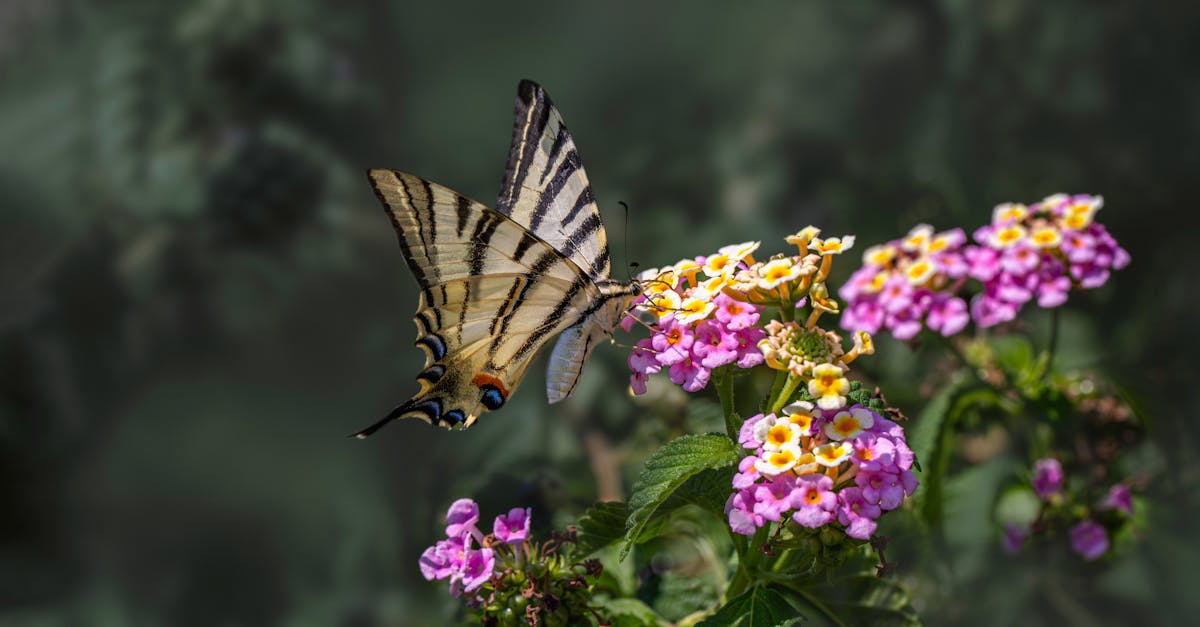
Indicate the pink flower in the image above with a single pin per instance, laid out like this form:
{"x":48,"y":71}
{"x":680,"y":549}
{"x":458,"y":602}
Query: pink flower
{"x":813,"y":500}
{"x":1020,"y":260}
{"x":896,"y":295}
{"x":512,"y":528}
{"x":643,"y":363}
{"x":905,"y":323}
{"x":477,"y":568}
{"x":864,"y":315}
{"x":1119,"y":498}
{"x":1079,"y":247}
{"x":735,"y":315}
{"x":444,"y":558}
{"x":740,"y":510}
{"x":1053,"y":291}
{"x":775,"y":497}
{"x":748,"y":355}
{"x":746,"y":433}
{"x":1047,"y":477}
{"x":947,"y":315}
{"x":984,"y":262}
{"x":747,"y":474}
{"x":673,"y":342}
{"x":988,"y":310}
{"x":461,"y":518}
{"x":886,"y":489}
{"x":857,"y":514}
{"x":689,"y":375}
{"x":714,"y":345}
{"x":874,"y":453}
{"x":1089,"y":540}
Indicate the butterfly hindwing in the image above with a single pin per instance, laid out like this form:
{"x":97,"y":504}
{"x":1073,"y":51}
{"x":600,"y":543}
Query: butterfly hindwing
{"x":545,"y":187}
{"x":492,"y":293}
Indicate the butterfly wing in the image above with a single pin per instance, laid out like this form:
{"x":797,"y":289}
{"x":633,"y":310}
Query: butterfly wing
{"x":492,"y":293}
{"x":545,"y":188}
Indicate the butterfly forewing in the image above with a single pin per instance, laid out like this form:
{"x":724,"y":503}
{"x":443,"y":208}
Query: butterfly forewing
{"x":545,"y":187}
{"x":491,"y":295}
{"x":497,"y":284}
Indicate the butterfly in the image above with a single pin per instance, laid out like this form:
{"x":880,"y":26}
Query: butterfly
{"x":497,"y":284}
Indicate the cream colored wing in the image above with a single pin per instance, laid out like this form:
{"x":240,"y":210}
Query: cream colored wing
{"x":492,"y":293}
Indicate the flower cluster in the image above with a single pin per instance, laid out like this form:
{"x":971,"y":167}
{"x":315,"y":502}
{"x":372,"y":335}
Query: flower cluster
{"x":695,"y":326}
{"x":1088,"y":531}
{"x":909,"y":283}
{"x":703,"y":313}
{"x":457,"y":558}
{"x":505,"y":577}
{"x":1040,"y":251}
{"x":1037,"y":252}
{"x":816,"y":466}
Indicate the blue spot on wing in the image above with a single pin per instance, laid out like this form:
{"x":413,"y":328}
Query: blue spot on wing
{"x":492,"y":398}
{"x":435,"y":344}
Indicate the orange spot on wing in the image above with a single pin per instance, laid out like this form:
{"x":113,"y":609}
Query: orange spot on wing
{"x":482,"y":379}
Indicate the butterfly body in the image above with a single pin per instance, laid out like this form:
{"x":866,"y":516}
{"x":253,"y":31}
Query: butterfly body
{"x":497,"y":284}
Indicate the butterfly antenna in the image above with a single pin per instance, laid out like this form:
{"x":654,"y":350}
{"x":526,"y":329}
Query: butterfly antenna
{"x":629,"y":267}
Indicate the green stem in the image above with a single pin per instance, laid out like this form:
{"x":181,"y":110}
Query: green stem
{"x":818,"y":605}
{"x":1052,"y":343}
{"x":789,"y":386}
{"x":724,"y":385}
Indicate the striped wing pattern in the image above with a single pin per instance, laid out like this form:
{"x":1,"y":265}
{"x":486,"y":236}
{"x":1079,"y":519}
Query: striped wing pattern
{"x":545,"y":187}
{"x":492,"y":293}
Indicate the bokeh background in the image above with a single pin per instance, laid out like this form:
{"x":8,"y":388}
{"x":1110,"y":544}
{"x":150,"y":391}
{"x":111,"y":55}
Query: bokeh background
{"x":200,"y":296}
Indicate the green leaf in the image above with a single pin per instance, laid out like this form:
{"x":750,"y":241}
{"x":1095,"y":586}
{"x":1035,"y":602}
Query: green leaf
{"x":668,"y":469}
{"x":933,"y":439}
{"x":624,"y":612}
{"x":863,"y":599}
{"x":707,"y":489}
{"x":601,"y":525}
{"x":760,"y":606}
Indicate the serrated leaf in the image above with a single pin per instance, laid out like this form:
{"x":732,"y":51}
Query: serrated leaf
{"x":599,"y":526}
{"x":667,"y":469}
{"x":707,"y":489}
{"x":865,"y":599}
{"x":760,"y":606}
{"x":625,"y":612}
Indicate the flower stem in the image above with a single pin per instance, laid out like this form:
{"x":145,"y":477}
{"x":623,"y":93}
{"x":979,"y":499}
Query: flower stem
{"x":1052,"y":343}
{"x":789,"y":386}
{"x":724,"y":387}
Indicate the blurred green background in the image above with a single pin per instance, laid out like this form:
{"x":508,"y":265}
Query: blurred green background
{"x":200,"y":296}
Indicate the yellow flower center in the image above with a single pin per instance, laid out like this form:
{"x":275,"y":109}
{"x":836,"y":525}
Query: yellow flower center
{"x":1009,"y":236}
{"x":776,"y":273}
{"x":1078,"y":221}
{"x":812,"y":497}
{"x":779,"y":435}
{"x":802,"y":420}
{"x":780,"y":458}
{"x":673,"y":336}
{"x":846,"y":426}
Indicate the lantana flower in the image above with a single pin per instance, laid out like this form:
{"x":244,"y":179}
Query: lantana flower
{"x":909,"y":283}
{"x":849,"y":481}
{"x":1040,"y":253}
